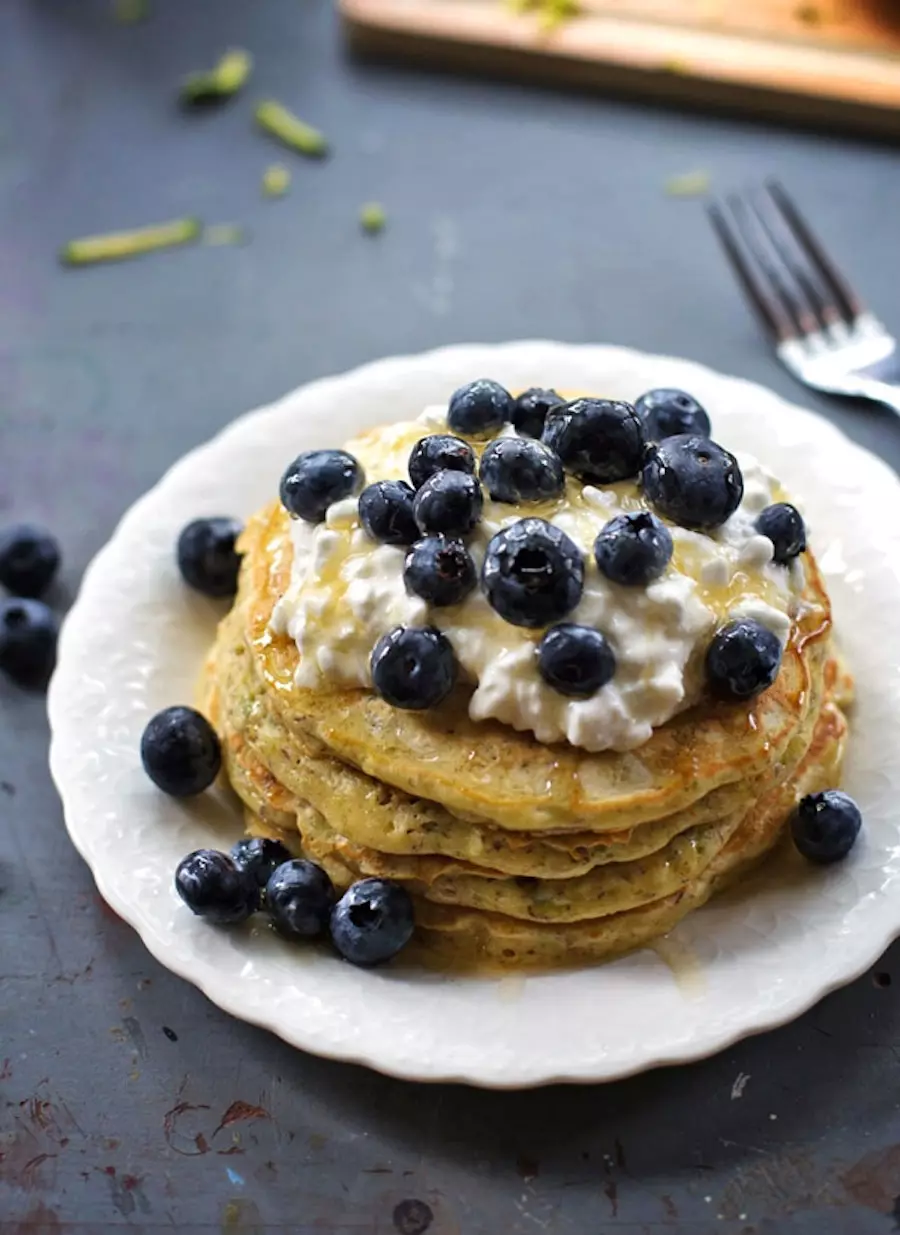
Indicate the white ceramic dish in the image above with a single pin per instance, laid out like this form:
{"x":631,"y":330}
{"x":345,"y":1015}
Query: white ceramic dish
{"x":134,"y":641}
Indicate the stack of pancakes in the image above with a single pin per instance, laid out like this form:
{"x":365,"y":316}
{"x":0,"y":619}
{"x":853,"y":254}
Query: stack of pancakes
{"x":516,"y":854}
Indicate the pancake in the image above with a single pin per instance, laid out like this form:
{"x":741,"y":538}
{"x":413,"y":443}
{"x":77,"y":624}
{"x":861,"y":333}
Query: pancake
{"x":487,"y":771}
{"x":372,"y":814}
{"x":467,"y":938}
{"x":608,"y":889}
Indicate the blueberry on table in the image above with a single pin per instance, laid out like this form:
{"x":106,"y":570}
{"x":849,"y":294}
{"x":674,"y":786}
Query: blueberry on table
{"x":299,"y":898}
{"x":413,"y":667}
{"x":519,"y":469}
{"x":575,"y":660}
{"x":372,"y":921}
{"x":742,"y":660}
{"x":449,"y":503}
{"x":533,"y":574}
{"x":530,"y":409}
{"x":479,"y":409}
{"x":825,"y":826}
{"x":440,"y":452}
{"x":29,"y":630}
{"x":599,"y":440}
{"x":29,"y":559}
{"x":180,"y":752}
{"x":693,"y":481}
{"x":386,"y":512}
{"x":440,"y":570}
{"x":315,"y":480}
{"x":783,"y":524}
{"x":668,"y":413}
{"x":215,"y":889}
{"x":633,"y":549}
{"x":259,"y":856}
{"x":207,"y":557}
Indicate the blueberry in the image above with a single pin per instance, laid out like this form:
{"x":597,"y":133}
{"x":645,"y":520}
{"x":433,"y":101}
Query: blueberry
{"x":668,"y":413}
{"x":215,"y":889}
{"x":742,"y":660}
{"x":533,"y":574}
{"x":259,"y":856}
{"x":783,"y":525}
{"x":206,"y":555}
{"x":28,"y":633}
{"x":448,"y":503}
{"x":440,"y":570}
{"x":693,"y":481}
{"x":372,"y":921}
{"x":29,"y":558}
{"x":180,"y":752}
{"x":300,"y":897}
{"x":530,"y":410}
{"x":413,"y":667}
{"x":633,"y":549}
{"x":386,"y":512}
{"x":441,"y":452}
{"x":575,"y":660}
{"x":316,"y":479}
{"x":599,"y":440}
{"x":518,"y":469}
{"x":480,"y":408}
{"x":825,"y":826}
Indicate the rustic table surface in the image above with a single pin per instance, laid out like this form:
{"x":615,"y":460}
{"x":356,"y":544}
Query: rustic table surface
{"x":128,"y":1102}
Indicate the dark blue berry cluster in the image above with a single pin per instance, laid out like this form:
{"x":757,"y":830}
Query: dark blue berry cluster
{"x":368,"y":925}
{"x":29,"y":561}
{"x":532,"y":573}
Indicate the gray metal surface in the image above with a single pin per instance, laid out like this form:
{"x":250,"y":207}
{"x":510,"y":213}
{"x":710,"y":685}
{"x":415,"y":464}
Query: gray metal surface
{"x":127,"y":1102}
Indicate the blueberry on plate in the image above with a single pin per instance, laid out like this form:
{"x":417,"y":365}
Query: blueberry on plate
{"x":259,"y":856}
{"x":530,"y":409}
{"x":207,"y":557}
{"x":480,"y":408}
{"x":519,"y":469}
{"x":575,"y":660}
{"x":533,"y":574}
{"x":633,"y":549}
{"x":299,"y":897}
{"x":742,"y":660}
{"x":386,"y":512}
{"x":440,"y":570}
{"x":180,"y":752}
{"x":413,"y":667}
{"x":825,"y":826}
{"x":783,"y":524}
{"x":215,"y":889}
{"x":668,"y":413}
{"x":599,"y":440}
{"x":449,"y":503}
{"x":29,"y":559}
{"x":28,"y":633}
{"x":440,"y":452}
{"x":372,"y":921}
{"x":693,"y":481}
{"x":315,"y":480}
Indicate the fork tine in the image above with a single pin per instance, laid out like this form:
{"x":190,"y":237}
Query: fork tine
{"x":806,"y":275}
{"x":767,"y":305}
{"x":850,"y":304}
{"x":760,"y":247}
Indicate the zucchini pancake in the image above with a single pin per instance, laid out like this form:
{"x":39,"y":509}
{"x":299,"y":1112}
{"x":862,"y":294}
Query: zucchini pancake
{"x":562,"y":668}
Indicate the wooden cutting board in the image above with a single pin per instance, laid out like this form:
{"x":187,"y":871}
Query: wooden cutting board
{"x":828,"y":61}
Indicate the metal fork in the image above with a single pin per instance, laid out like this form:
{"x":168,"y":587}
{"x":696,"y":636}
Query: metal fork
{"x":821,"y":330}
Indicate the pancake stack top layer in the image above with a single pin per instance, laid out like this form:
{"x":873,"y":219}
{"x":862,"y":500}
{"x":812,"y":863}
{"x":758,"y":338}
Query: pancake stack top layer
{"x":531,"y":826}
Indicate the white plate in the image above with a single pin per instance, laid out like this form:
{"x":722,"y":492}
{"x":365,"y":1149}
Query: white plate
{"x":134,"y":641}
